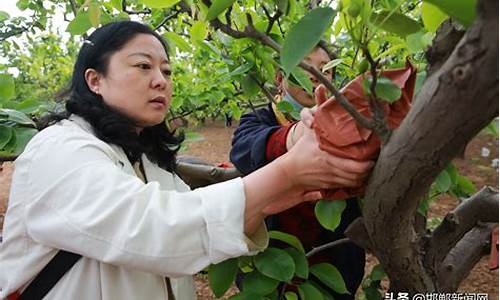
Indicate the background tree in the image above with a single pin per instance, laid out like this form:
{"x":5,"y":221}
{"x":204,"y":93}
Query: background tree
{"x":224,"y":60}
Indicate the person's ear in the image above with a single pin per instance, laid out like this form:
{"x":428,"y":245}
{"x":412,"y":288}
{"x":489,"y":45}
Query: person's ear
{"x":93,"y":79}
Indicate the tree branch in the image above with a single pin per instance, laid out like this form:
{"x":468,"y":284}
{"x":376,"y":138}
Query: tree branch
{"x":251,"y":32}
{"x":463,"y":257}
{"x":356,"y":232}
{"x":329,"y":245}
{"x":447,"y":37}
{"x":130,"y":12}
{"x":481,"y":207}
{"x":198,"y":174}
{"x":380,"y":125}
{"x":454,"y":104}
{"x":165,"y":20}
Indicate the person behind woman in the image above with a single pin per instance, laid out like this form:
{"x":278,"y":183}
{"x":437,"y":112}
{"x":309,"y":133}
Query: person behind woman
{"x":101,"y":183}
{"x":268,"y":134}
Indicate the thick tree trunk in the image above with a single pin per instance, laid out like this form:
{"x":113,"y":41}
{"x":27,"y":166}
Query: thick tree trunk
{"x":455,"y":103}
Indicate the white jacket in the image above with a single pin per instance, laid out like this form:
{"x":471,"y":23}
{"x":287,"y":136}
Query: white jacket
{"x":74,"y":192}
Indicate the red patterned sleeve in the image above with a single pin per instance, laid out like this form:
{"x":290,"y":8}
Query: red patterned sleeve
{"x":276,"y":144}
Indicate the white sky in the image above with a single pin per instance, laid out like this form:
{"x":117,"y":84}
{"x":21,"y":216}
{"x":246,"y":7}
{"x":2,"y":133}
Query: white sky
{"x":9,"y":6}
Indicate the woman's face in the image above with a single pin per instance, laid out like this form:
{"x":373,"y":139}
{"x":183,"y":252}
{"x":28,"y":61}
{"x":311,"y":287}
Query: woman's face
{"x":317,"y":58}
{"x":137,"y":82}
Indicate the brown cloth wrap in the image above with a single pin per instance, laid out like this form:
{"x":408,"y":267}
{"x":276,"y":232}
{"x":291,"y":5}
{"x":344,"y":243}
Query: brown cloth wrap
{"x":339,"y":134}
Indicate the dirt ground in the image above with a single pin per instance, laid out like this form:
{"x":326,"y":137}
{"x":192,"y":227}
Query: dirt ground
{"x":215,"y":145}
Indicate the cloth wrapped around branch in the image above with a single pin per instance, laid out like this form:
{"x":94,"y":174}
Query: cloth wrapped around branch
{"x":339,"y":134}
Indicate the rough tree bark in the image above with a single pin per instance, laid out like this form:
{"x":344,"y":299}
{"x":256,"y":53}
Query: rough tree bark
{"x":455,"y":103}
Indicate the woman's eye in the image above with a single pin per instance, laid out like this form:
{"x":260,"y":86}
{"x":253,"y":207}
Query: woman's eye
{"x":144,"y":66}
{"x":167,"y":72}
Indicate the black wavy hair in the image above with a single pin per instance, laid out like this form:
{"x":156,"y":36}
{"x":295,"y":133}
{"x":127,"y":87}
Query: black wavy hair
{"x":157,"y":142}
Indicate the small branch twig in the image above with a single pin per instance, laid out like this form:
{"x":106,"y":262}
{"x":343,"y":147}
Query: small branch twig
{"x":165,"y":20}
{"x":141,"y":12}
{"x":251,"y":32}
{"x":271,"y":19}
{"x":184,"y":114}
{"x":327,"y":246}
{"x":381,"y":128}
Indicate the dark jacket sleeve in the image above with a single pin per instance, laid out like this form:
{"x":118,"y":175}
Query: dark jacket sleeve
{"x":248,"y":152}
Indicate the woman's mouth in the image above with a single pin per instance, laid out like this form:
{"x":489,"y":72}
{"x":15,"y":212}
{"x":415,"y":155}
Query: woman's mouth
{"x":159,"y":101}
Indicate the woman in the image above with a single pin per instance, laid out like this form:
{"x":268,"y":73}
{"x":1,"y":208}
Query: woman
{"x":101,"y":183}
{"x":267,"y":134}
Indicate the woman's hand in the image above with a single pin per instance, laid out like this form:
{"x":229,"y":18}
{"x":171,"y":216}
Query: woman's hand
{"x":311,"y":168}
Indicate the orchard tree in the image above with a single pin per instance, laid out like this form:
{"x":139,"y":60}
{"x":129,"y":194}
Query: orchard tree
{"x":225,"y":54}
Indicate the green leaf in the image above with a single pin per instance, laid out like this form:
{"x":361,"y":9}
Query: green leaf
{"x":285,"y":106}
{"x":304,"y":36}
{"x":176,"y":102}
{"x":386,"y":89}
{"x":301,"y":265}
{"x":329,"y":213}
{"x":249,"y":86}
{"x":10,"y":147}
{"x":116,"y":4}
{"x":282,"y":6}
{"x":159,"y":3}
{"x":302,"y":79}
{"x":291,"y":296}
{"x":418,"y":41}
{"x":372,"y":293}
{"x":29,"y":106}
{"x":432,"y":16}
{"x":332,"y":64}
{"x":257,"y":283}
{"x":464,"y":11}
{"x":7,"y":87}
{"x":94,"y":14}
{"x":377,"y":273}
{"x":326,"y":294}
{"x":198,"y":31}
{"x":492,"y":128}
{"x":466,"y":186}
{"x":3,"y":16}
{"x":307,"y":291}
{"x":247,"y":296}
{"x":222,"y":275}
{"x":80,"y":24}
{"x":421,"y":76}
{"x":217,"y":7}
{"x":286,"y":237}
{"x":330,"y":275}
{"x":242,"y":69}
{"x":395,"y":23}
{"x":23,"y":136}
{"x":275,"y":263}
{"x":443,"y":182}
{"x":178,"y":41}
{"x":5,"y":135}
{"x":17,"y":117}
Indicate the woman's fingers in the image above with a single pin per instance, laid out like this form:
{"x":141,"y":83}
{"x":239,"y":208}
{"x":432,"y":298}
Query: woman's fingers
{"x":350,"y":166}
{"x":320,"y":94}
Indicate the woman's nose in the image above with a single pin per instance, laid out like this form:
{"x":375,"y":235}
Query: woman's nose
{"x":159,"y":81}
